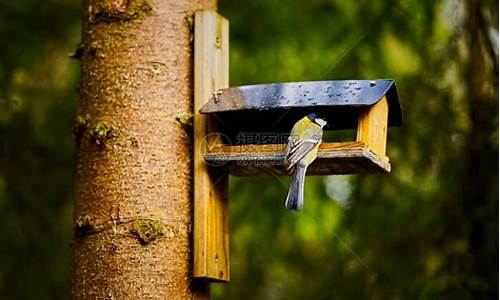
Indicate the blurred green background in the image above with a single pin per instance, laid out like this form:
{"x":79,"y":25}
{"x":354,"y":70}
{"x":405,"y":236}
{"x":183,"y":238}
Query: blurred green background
{"x":429,"y":230}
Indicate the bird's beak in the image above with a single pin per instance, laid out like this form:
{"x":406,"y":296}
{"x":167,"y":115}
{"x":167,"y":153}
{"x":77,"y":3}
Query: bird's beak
{"x":321,"y":122}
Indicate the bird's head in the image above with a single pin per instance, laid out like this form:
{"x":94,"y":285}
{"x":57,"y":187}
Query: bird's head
{"x":313,"y":117}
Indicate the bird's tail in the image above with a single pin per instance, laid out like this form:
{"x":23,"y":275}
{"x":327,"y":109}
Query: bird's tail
{"x":295,"y":197}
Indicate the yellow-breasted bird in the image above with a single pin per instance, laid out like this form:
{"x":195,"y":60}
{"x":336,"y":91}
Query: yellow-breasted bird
{"x":301,"y":150}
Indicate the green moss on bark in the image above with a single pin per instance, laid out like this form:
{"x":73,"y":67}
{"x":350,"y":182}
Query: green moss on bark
{"x":185,"y":118}
{"x":100,"y":132}
{"x":147,"y":231}
{"x":118,"y":11}
{"x":79,"y":126}
{"x":84,"y":225}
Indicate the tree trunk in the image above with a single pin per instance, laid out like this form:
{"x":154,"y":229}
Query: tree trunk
{"x":133,"y":207}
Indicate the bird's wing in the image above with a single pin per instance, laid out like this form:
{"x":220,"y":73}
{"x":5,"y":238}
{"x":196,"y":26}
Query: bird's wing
{"x":296,"y":149}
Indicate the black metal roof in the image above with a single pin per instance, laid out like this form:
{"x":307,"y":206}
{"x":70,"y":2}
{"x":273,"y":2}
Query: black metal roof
{"x":265,"y":110}
{"x":337,"y":100}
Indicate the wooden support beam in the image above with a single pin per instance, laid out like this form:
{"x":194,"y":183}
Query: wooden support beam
{"x":333,"y":158}
{"x":211,"y":226}
{"x":372,"y":127}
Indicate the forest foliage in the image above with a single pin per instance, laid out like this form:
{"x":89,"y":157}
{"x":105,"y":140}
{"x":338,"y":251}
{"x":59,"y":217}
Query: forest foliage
{"x":427,"y":230}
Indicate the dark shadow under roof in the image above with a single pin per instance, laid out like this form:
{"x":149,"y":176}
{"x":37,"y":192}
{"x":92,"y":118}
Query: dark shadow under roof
{"x":276,"y":107}
{"x":318,"y":94}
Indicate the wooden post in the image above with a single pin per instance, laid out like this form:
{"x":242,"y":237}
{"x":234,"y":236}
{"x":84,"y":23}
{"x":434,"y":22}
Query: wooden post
{"x":372,"y":127}
{"x":211,"y":228}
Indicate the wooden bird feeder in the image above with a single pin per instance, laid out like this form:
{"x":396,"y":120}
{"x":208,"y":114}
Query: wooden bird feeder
{"x":243,"y":131}
{"x":254,"y":122}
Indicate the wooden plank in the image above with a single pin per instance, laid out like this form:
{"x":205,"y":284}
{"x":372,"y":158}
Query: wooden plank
{"x":211,"y":226}
{"x":333,"y":158}
{"x":266,"y":148}
{"x":372,"y":127}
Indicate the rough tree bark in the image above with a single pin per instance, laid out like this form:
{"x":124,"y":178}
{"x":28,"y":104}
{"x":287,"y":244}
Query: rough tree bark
{"x":133,"y":208}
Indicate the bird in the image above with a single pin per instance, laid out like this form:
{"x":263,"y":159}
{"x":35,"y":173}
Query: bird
{"x":301,"y":150}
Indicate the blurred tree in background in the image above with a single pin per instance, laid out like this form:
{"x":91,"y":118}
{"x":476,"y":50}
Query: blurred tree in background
{"x":428,"y":230}
{"x":37,"y":106}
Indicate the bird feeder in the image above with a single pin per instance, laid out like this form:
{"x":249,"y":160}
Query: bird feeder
{"x":254,"y":122}
{"x":243,"y":131}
